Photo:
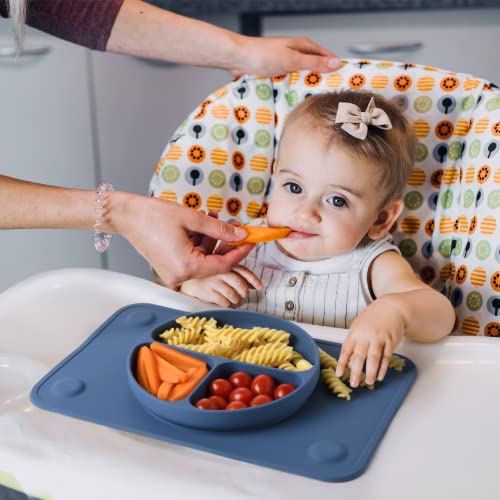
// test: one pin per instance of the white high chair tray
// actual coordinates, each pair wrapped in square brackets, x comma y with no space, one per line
[443,442]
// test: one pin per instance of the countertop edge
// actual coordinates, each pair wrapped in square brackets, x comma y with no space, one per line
[270,7]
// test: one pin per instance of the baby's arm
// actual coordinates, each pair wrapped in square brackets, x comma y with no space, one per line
[428,314]
[404,306]
[228,289]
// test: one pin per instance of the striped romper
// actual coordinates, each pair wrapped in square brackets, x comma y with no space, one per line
[329,292]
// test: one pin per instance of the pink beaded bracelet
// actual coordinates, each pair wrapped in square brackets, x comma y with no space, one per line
[101,239]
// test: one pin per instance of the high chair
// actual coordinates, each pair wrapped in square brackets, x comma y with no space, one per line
[220,159]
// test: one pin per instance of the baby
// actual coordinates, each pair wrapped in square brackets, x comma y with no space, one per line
[343,162]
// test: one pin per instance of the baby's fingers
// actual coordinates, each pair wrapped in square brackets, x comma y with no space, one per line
[230,288]
[373,361]
[345,354]
[249,276]
[384,365]
[357,362]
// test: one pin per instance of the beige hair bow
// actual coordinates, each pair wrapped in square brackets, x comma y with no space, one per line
[355,122]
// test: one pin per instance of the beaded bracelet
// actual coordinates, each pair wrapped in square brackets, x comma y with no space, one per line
[101,239]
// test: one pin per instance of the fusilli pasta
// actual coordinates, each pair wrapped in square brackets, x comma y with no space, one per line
[396,363]
[335,384]
[258,345]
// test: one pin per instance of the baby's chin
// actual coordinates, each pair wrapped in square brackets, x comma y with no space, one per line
[300,249]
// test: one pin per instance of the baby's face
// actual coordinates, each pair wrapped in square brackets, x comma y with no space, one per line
[328,198]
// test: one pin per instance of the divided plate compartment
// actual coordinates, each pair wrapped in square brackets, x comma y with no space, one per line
[184,412]
[326,438]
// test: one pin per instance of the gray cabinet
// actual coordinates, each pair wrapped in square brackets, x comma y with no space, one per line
[45,136]
[462,40]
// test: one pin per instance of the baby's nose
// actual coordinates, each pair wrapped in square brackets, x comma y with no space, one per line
[309,214]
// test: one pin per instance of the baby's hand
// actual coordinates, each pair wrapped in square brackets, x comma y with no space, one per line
[373,336]
[225,290]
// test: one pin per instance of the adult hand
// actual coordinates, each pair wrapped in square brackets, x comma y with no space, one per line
[166,234]
[270,56]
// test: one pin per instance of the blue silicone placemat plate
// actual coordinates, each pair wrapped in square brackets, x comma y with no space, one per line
[328,438]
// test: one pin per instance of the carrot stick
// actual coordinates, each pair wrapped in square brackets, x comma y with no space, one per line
[164,390]
[141,370]
[180,391]
[176,358]
[258,234]
[150,370]
[168,372]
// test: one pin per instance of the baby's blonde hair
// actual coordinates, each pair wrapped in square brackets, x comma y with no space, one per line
[391,151]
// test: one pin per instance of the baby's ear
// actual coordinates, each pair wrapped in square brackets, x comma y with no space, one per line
[386,218]
[274,166]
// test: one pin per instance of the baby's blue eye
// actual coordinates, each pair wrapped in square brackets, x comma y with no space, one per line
[293,187]
[337,201]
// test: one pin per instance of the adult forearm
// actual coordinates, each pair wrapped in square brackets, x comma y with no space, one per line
[159,230]
[428,314]
[25,205]
[144,30]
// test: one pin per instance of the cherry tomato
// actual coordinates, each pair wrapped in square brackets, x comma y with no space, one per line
[241,379]
[282,390]
[220,387]
[243,394]
[260,399]
[236,405]
[219,402]
[263,384]
[205,404]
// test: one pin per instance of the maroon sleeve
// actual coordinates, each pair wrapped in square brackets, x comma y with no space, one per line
[84,22]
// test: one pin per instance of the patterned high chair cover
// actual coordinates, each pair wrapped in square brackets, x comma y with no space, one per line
[220,158]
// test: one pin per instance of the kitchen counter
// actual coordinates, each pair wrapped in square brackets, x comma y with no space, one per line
[250,12]
[201,7]
[441,443]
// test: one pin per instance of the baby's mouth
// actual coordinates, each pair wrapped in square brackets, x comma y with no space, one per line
[298,235]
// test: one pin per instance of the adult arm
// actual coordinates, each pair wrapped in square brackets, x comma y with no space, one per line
[144,30]
[137,28]
[163,232]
